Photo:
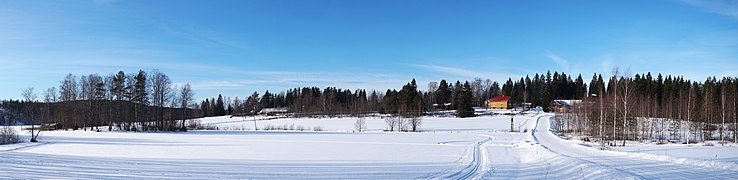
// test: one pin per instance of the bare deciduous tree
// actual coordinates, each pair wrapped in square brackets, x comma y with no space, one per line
[360,124]
[186,96]
[627,92]
[391,123]
[68,88]
[161,88]
[415,123]
[30,97]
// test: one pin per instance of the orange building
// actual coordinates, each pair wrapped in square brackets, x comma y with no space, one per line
[499,102]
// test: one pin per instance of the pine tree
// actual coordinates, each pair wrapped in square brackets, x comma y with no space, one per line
[140,93]
[581,88]
[267,100]
[409,106]
[373,102]
[464,103]
[495,89]
[455,91]
[219,107]
[443,93]
[205,107]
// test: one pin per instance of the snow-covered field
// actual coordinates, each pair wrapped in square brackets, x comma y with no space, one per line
[447,148]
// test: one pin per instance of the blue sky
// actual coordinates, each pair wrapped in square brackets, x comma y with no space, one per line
[238,47]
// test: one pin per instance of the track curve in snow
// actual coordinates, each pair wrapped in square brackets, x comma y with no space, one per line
[593,163]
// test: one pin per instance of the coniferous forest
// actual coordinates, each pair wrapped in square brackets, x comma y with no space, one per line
[619,107]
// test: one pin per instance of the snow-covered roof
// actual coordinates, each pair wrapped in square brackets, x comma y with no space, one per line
[273,110]
[567,103]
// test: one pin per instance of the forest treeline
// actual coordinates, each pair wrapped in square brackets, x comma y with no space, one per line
[139,101]
[657,109]
[408,101]
[149,101]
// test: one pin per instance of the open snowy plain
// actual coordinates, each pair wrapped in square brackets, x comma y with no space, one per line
[447,148]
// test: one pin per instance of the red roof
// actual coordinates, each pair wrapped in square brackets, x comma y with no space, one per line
[500,99]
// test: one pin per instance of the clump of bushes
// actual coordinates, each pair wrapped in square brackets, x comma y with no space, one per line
[197,125]
[290,127]
[8,135]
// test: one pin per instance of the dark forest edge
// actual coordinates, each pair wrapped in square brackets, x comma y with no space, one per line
[131,102]
[150,102]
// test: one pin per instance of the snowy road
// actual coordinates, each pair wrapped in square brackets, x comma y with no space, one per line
[575,161]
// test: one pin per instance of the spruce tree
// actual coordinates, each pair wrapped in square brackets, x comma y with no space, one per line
[219,107]
[464,102]
[443,93]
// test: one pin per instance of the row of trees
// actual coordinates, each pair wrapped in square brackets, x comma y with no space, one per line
[661,109]
[131,102]
[541,90]
[666,107]
[408,101]
[329,101]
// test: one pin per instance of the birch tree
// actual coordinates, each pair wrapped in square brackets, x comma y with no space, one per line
[30,98]
[627,91]
[186,96]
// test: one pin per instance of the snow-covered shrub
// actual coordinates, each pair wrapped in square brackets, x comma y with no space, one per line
[269,127]
[317,128]
[691,141]
[196,125]
[8,135]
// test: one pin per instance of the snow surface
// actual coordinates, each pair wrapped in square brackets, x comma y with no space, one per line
[447,148]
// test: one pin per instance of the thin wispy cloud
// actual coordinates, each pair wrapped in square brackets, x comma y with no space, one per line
[464,74]
[606,63]
[563,63]
[195,33]
[727,8]
[265,45]
[215,85]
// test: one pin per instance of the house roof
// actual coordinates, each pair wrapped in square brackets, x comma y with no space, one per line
[273,110]
[500,99]
[566,103]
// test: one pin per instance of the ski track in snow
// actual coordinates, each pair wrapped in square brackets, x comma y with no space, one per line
[474,169]
[573,161]
[475,153]
[26,147]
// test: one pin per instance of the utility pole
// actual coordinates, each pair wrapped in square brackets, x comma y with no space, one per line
[511,121]
[255,128]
